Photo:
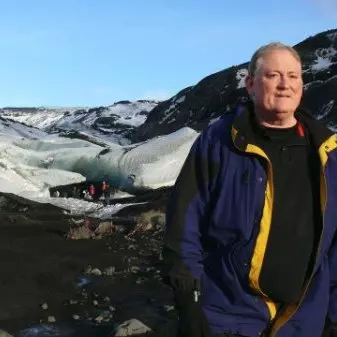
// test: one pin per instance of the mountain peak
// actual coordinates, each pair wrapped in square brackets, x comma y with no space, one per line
[216,94]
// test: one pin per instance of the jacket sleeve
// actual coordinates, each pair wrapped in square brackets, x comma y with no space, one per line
[331,325]
[187,215]
[187,218]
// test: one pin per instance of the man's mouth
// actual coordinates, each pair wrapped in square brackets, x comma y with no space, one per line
[283,96]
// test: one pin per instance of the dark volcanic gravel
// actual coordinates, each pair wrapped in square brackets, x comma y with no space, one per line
[45,276]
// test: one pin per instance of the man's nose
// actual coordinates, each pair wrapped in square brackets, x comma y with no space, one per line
[284,82]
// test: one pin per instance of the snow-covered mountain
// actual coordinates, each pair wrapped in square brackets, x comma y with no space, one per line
[216,94]
[113,123]
[195,106]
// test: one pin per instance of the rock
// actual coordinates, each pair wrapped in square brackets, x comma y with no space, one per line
[4,334]
[23,209]
[105,316]
[106,299]
[132,327]
[134,269]
[99,319]
[110,271]
[80,233]
[96,272]
[105,228]
[150,220]
[148,269]
[139,280]
[44,306]
[160,221]
[84,294]
[168,308]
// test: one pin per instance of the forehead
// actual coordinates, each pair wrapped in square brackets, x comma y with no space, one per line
[279,60]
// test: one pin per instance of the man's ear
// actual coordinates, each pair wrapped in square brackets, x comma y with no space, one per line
[249,81]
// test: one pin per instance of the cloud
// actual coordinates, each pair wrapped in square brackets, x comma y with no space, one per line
[156,94]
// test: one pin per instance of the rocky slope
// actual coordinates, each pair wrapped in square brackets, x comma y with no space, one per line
[199,105]
[114,122]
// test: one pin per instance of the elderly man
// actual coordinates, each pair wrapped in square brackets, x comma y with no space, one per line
[250,243]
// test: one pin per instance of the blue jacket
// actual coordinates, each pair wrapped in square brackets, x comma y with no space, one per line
[217,232]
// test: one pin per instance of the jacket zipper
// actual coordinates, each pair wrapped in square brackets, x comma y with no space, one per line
[274,327]
[270,168]
[267,331]
[277,322]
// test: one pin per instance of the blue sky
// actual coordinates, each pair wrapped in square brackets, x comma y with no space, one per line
[96,52]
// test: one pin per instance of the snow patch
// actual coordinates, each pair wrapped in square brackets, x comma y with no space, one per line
[241,75]
[180,99]
[332,36]
[171,109]
[78,207]
[172,120]
[325,110]
[323,59]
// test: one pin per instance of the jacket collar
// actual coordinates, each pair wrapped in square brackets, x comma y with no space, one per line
[243,132]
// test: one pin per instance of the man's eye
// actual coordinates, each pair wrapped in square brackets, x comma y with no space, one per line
[271,75]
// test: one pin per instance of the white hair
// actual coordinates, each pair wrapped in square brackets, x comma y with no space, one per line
[257,58]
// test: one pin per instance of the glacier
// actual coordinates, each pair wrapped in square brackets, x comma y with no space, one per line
[32,161]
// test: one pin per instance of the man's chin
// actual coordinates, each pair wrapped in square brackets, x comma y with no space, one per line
[278,109]
[284,110]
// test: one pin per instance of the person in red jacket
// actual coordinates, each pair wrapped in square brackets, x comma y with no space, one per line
[92,191]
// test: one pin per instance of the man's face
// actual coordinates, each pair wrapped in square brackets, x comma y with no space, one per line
[277,86]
